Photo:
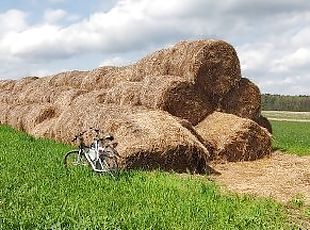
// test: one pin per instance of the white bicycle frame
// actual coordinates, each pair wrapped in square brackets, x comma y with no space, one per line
[92,156]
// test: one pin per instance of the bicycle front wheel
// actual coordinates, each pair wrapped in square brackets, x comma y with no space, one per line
[74,158]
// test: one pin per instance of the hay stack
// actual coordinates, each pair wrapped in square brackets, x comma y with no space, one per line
[189,80]
[176,96]
[243,100]
[211,64]
[147,139]
[234,138]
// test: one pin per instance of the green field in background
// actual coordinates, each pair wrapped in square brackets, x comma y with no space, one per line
[291,137]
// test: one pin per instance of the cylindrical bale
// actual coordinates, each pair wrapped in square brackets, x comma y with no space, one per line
[234,138]
[176,96]
[244,100]
[16,116]
[212,64]
[124,93]
[96,79]
[72,79]
[147,139]
[37,114]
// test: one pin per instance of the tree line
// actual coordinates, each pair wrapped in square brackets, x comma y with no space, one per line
[286,103]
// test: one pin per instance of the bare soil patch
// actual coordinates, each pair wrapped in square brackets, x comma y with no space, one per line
[279,176]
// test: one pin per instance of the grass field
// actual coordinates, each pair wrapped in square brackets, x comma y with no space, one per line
[37,193]
[291,136]
[291,131]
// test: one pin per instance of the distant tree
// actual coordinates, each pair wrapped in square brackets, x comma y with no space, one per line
[300,103]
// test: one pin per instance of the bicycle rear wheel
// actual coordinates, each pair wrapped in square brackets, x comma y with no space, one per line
[74,158]
[110,160]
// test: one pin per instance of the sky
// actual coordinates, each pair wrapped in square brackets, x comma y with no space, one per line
[42,37]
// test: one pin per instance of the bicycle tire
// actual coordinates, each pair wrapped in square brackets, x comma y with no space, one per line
[110,160]
[72,158]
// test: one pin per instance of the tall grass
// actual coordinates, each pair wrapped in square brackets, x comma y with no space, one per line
[292,137]
[36,192]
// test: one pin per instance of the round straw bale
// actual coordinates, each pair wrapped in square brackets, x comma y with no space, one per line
[40,91]
[264,122]
[16,116]
[63,98]
[71,79]
[234,138]
[176,96]
[212,64]
[125,93]
[37,114]
[5,108]
[244,100]
[147,139]
[22,83]
[93,79]
[7,84]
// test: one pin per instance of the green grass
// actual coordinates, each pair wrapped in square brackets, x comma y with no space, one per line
[36,192]
[291,137]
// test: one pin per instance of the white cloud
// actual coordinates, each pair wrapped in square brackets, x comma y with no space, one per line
[53,16]
[115,61]
[272,38]
[12,20]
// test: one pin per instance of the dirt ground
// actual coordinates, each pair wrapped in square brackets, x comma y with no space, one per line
[280,176]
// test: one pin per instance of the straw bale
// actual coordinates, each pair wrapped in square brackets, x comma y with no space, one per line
[94,79]
[37,114]
[244,100]
[125,93]
[7,84]
[6,96]
[64,97]
[211,64]
[39,91]
[15,117]
[176,96]
[21,84]
[72,79]
[264,122]
[5,108]
[147,139]
[234,138]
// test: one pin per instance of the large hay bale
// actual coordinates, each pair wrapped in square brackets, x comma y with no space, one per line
[73,79]
[234,138]
[15,116]
[124,93]
[176,96]
[211,64]
[147,139]
[243,100]
[93,79]
[37,114]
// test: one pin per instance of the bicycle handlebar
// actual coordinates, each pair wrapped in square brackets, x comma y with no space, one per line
[78,136]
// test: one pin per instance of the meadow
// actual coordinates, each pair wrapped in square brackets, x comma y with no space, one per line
[291,131]
[36,192]
[291,137]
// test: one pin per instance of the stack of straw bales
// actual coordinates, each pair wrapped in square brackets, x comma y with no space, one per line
[161,109]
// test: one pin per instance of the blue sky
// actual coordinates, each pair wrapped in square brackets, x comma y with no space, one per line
[45,37]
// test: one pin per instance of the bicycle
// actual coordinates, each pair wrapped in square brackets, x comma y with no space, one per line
[101,155]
